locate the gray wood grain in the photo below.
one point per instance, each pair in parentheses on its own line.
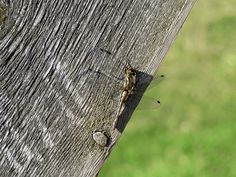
(61,70)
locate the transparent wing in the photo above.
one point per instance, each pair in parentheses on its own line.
(148,103)
(156,81)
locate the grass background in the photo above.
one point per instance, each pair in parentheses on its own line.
(193,133)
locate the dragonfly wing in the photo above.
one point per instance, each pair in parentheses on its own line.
(156,81)
(148,103)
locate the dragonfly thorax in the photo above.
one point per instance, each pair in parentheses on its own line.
(130,80)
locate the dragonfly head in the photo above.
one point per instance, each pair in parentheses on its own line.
(129,70)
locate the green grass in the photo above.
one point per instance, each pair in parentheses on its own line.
(193,133)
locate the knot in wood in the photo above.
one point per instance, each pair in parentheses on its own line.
(100,138)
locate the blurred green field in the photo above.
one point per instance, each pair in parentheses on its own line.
(193,133)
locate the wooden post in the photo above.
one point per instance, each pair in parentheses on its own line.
(61,70)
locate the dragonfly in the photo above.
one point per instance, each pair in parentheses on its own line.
(131,84)
(128,89)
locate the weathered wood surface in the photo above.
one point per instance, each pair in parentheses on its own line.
(61,66)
